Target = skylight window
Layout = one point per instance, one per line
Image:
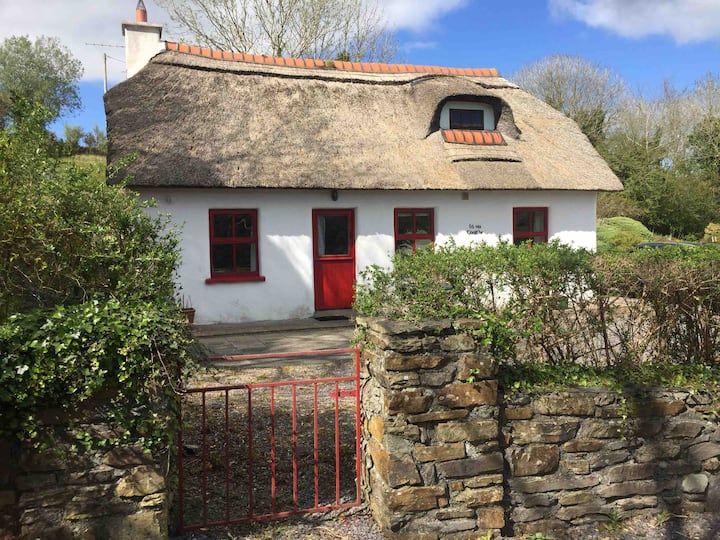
(467, 115)
(467, 119)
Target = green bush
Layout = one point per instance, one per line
(62, 360)
(620, 234)
(87, 315)
(555, 305)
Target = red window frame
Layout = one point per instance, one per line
(414, 236)
(530, 236)
(235, 275)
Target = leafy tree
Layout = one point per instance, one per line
(352, 29)
(587, 93)
(96, 141)
(43, 72)
(73, 136)
(66, 236)
(704, 143)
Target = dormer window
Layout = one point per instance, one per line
(467, 115)
(467, 119)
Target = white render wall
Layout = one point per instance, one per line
(285, 230)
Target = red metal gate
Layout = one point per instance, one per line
(247, 452)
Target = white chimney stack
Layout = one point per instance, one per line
(142, 40)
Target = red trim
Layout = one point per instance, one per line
(234, 279)
(235, 276)
(414, 236)
(531, 235)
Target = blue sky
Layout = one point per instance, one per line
(646, 42)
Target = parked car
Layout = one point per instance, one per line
(664, 244)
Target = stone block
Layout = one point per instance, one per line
(611, 411)
(583, 445)
(46, 497)
(551, 528)
(599, 429)
(482, 430)
(658, 407)
(602, 458)
(453, 526)
(556, 482)
(466, 468)
(573, 498)
(376, 427)
(415, 499)
(437, 416)
(565, 404)
(457, 343)
(648, 426)
(683, 429)
(695, 483)
(575, 466)
(518, 413)
(445, 452)
(478, 365)
(403, 362)
(633, 488)
(522, 514)
(397, 380)
(407, 344)
(546, 430)
(484, 481)
(536, 499)
(436, 378)
(657, 450)
(492, 517)
(635, 503)
(630, 471)
(469, 394)
(704, 451)
(141, 481)
(395, 470)
(570, 513)
(127, 456)
(454, 513)
(479, 496)
(407, 402)
(533, 460)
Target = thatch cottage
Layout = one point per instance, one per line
(292, 176)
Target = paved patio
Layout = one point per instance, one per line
(274, 336)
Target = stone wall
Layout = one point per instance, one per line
(444, 456)
(116, 494)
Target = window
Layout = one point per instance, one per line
(530, 225)
(414, 229)
(467, 119)
(467, 115)
(234, 246)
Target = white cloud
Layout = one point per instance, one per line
(417, 15)
(684, 20)
(91, 28)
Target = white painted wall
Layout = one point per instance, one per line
(285, 230)
(142, 42)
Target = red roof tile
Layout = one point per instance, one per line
(467, 136)
(364, 67)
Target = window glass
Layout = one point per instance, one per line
(405, 223)
(414, 229)
(234, 244)
(222, 258)
(529, 225)
(334, 234)
(222, 225)
(243, 226)
(467, 119)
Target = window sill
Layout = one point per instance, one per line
(234, 279)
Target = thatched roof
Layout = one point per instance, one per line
(198, 121)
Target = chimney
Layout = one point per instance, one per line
(142, 40)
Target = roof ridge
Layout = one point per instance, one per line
(364, 67)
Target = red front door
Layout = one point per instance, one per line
(334, 258)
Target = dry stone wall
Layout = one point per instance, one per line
(118, 494)
(448, 457)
